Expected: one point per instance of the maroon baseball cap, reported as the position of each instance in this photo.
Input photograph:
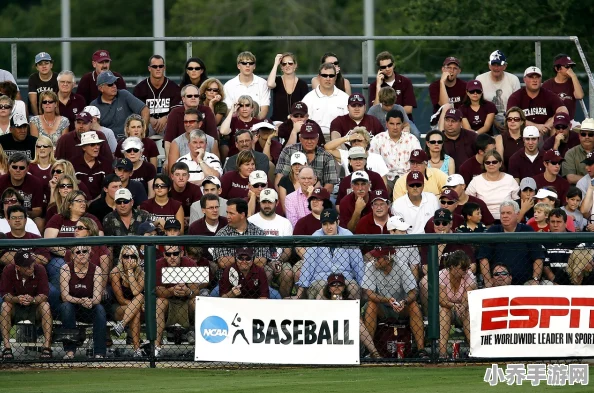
(474, 85)
(564, 61)
(248, 251)
(335, 277)
(454, 114)
(356, 98)
(320, 193)
(299, 108)
(552, 155)
(101, 55)
(310, 129)
(449, 194)
(85, 117)
(381, 252)
(379, 194)
(418, 155)
(414, 177)
(561, 118)
(450, 60)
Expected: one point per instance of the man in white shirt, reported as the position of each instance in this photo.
(200, 162)
(415, 206)
(326, 102)
(246, 83)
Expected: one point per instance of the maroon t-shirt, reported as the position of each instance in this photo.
(31, 190)
(76, 103)
(456, 93)
(487, 216)
(539, 109)
(469, 169)
(367, 226)
(159, 101)
(285, 129)
(12, 282)
(520, 165)
(175, 123)
(157, 211)
(150, 149)
(145, 173)
(573, 141)
(347, 207)
(460, 149)
(96, 253)
(189, 195)
(307, 225)
(560, 184)
(87, 86)
(234, 186)
(343, 124)
(405, 92)
(344, 187)
(67, 149)
(162, 263)
(477, 119)
(510, 147)
(565, 91)
(275, 150)
(44, 175)
(199, 228)
(92, 177)
(28, 236)
(238, 124)
(66, 227)
(81, 287)
(254, 284)
(456, 222)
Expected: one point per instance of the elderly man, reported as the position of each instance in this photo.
(565, 83)
(296, 202)
(458, 143)
(388, 77)
(116, 105)
(318, 159)
(96, 126)
(200, 162)
(573, 167)
(89, 169)
(527, 162)
(415, 206)
(456, 183)
(69, 103)
(18, 140)
(525, 260)
(247, 83)
(87, 86)
(563, 138)
(358, 203)
(66, 148)
(341, 125)
(433, 179)
(244, 141)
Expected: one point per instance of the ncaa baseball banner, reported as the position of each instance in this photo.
(277, 331)
(532, 321)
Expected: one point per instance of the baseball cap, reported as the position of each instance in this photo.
(89, 137)
(101, 55)
(356, 98)
(122, 193)
(564, 61)
(319, 193)
(93, 111)
(532, 70)
(418, 155)
(329, 215)
(247, 251)
(544, 193)
(299, 108)
(397, 222)
(531, 132)
(124, 163)
(454, 180)
(552, 155)
(335, 277)
(379, 194)
(42, 56)
(442, 215)
(414, 177)
(257, 177)
(454, 114)
(18, 120)
(23, 258)
(172, 223)
(262, 124)
(84, 116)
(298, 158)
(381, 252)
(474, 85)
(450, 60)
(106, 77)
(528, 182)
(561, 118)
(589, 160)
(357, 152)
(450, 195)
(268, 194)
(145, 227)
(310, 129)
(132, 142)
(359, 175)
(587, 124)
(212, 179)
(497, 57)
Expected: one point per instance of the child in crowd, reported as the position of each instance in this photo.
(572, 207)
(540, 220)
(472, 219)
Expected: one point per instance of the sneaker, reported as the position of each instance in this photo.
(191, 337)
(158, 352)
(139, 353)
(118, 328)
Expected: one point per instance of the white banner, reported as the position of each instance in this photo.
(532, 321)
(277, 331)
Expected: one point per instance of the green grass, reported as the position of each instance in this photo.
(339, 380)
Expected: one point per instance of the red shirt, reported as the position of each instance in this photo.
(510, 147)
(199, 228)
(150, 148)
(44, 175)
(235, 186)
(162, 263)
(367, 226)
(520, 165)
(560, 184)
(307, 226)
(189, 195)
(12, 282)
(460, 149)
(405, 92)
(456, 93)
(31, 190)
(254, 284)
(76, 103)
(539, 109)
(487, 216)
(565, 91)
(66, 227)
(175, 123)
(469, 169)
(92, 177)
(87, 86)
(67, 149)
(343, 124)
(477, 119)
(347, 207)
(573, 141)
(344, 187)
(285, 129)
(449, 248)
(157, 211)
(534, 225)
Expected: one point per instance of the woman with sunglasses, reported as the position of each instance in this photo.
(81, 287)
(194, 73)
(162, 207)
(510, 140)
(213, 96)
(436, 153)
(6, 105)
(341, 82)
(64, 185)
(135, 127)
(49, 122)
(59, 168)
(288, 88)
(241, 117)
(127, 281)
(11, 197)
(478, 114)
(142, 171)
(72, 209)
(41, 166)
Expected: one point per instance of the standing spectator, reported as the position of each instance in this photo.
(388, 77)
(565, 83)
(474, 165)
(433, 179)
(438, 159)
(159, 93)
(341, 82)
(510, 140)
(456, 183)
(387, 102)
(287, 88)
(210, 185)
(251, 282)
(574, 166)
(69, 103)
(18, 140)
(123, 168)
(90, 170)
(550, 177)
(563, 138)
(182, 190)
(449, 89)
(478, 114)
(246, 83)
(194, 73)
(212, 95)
(136, 127)
(142, 171)
(527, 162)
(43, 80)
(356, 116)
(415, 206)
(296, 202)
(200, 162)
(458, 141)
(66, 148)
(87, 86)
(49, 122)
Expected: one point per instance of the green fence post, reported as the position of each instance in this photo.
(433, 291)
(150, 299)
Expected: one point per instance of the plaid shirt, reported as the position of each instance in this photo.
(323, 163)
(252, 230)
(113, 225)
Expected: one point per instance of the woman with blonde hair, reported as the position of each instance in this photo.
(213, 96)
(64, 185)
(580, 266)
(288, 88)
(49, 122)
(59, 168)
(135, 126)
(3, 162)
(6, 105)
(41, 166)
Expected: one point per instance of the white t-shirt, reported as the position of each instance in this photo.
(279, 226)
(508, 84)
(258, 90)
(196, 172)
(416, 216)
(375, 163)
(493, 192)
(323, 109)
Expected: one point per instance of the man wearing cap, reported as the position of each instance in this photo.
(296, 202)
(416, 206)
(244, 141)
(200, 162)
(69, 103)
(266, 143)
(358, 203)
(449, 89)
(96, 126)
(358, 162)
(159, 93)
(458, 143)
(124, 220)
(550, 177)
(375, 223)
(408, 255)
(257, 182)
(43, 80)
(529, 161)
(539, 105)
(89, 169)
(585, 182)
(87, 86)
(24, 288)
(565, 83)
(456, 183)
(320, 160)
(498, 85)
(433, 179)
(247, 83)
(209, 223)
(210, 185)
(251, 283)
(447, 200)
(326, 102)
(172, 227)
(66, 148)
(474, 165)
(563, 138)
(387, 76)
(288, 131)
(116, 105)
(320, 262)
(123, 167)
(574, 166)
(18, 140)
(182, 190)
(341, 125)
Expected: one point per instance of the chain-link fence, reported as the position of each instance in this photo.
(76, 302)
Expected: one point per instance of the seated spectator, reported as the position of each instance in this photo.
(471, 212)
(447, 200)
(297, 201)
(375, 223)
(288, 132)
(258, 182)
(17, 230)
(18, 106)
(551, 176)
(549, 196)
(24, 288)
(455, 281)
(162, 207)
(3, 162)
(182, 190)
(555, 268)
(316, 203)
(358, 163)
(526, 199)
(527, 162)
(358, 203)
(356, 116)
(458, 141)
(478, 114)
(290, 183)
(70, 211)
(245, 140)
(580, 266)
(69, 103)
(208, 224)
(81, 288)
(318, 262)
(540, 221)
(135, 126)
(210, 185)
(416, 206)
(397, 225)
(103, 205)
(41, 166)
(87, 86)
(474, 165)
(18, 140)
(244, 279)
(6, 105)
(235, 184)
(200, 162)
(265, 141)
(563, 138)
(194, 73)
(66, 148)
(59, 168)
(501, 275)
(212, 94)
(96, 126)
(436, 153)
(243, 116)
(585, 181)
(572, 207)
(387, 102)
(49, 123)
(142, 171)
(90, 170)
(433, 179)
(124, 168)
(127, 281)
(11, 197)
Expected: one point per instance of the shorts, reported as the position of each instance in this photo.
(386, 311)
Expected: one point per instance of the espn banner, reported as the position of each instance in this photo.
(549, 321)
(277, 331)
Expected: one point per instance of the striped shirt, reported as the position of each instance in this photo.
(196, 172)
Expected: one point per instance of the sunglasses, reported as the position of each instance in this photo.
(446, 202)
(190, 121)
(247, 63)
(501, 274)
(192, 95)
(244, 258)
(155, 66)
(386, 66)
(58, 171)
(244, 105)
(328, 76)
(475, 91)
(336, 284)
(494, 162)
(78, 252)
(193, 68)
(288, 63)
(554, 162)
(356, 141)
(516, 119)
(42, 146)
(18, 167)
(5, 106)
(10, 201)
(298, 116)
(560, 127)
(172, 253)
(441, 223)
(434, 142)
(416, 185)
(159, 186)
(81, 228)
(335, 62)
(129, 256)
(46, 102)
(92, 144)
(132, 150)
(122, 201)
(587, 134)
(64, 185)
(110, 84)
(213, 89)
(260, 185)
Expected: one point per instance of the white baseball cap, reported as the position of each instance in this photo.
(268, 194)
(359, 175)
(532, 70)
(122, 193)
(454, 180)
(262, 124)
(211, 179)
(93, 111)
(543, 193)
(531, 132)
(397, 222)
(298, 158)
(257, 177)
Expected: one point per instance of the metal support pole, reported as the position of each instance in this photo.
(65, 19)
(13, 60)
(150, 299)
(588, 74)
(159, 26)
(188, 49)
(364, 67)
(537, 55)
(433, 292)
(369, 30)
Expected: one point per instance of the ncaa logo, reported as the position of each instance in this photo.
(214, 329)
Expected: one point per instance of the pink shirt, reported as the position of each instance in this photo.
(465, 283)
(296, 206)
(494, 192)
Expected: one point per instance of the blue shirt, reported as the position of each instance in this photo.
(114, 115)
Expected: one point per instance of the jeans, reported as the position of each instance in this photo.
(68, 312)
(274, 294)
(53, 268)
